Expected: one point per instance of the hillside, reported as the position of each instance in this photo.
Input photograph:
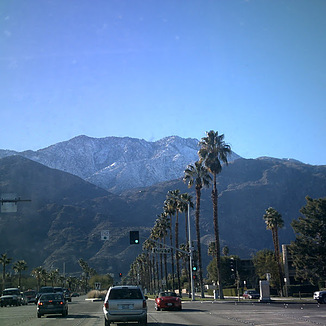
(64, 220)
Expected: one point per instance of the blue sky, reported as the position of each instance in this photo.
(254, 70)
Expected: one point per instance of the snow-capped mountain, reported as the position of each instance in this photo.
(116, 163)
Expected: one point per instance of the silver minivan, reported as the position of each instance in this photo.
(124, 304)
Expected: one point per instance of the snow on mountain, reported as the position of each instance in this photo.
(120, 163)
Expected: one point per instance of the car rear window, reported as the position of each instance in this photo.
(51, 297)
(116, 294)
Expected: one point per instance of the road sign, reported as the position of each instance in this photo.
(8, 203)
(105, 235)
(97, 286)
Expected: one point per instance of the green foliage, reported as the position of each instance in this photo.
(264, 262)
(105, 280)
(309, 248)
(228, 277)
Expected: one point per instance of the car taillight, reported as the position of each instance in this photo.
(144, 303)
(106, 305)
(40, 303)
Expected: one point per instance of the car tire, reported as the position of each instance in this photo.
(39, 315)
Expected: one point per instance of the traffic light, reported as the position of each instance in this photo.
(194, 267)
(120, 274)
(134, 237)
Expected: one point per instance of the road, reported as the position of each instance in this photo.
(86, 313)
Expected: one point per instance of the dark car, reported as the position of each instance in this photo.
(251, 294)
(11, 297)
(168, 300)
(125, 304)
(30, 295)
(52, 303)
(43, 289)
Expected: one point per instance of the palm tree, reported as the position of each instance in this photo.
(185, 200)
(213, 153)
(37, 272)
(169, 208)
(185, 203)
(198, 175)
(174, 198)
(274, 221)
(18, 267)
(163, 225)
(4, 260)
(53, 276)
(148, 245)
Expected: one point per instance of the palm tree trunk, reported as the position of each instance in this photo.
(217, 238)
(176, 252)
(278, 258)
(172, 254)
(165, 268)
(198, 195)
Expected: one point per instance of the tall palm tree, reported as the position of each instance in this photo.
(274, 221)
(18, 267)
(163, 225)
(213, 153)
(198, 175)
(148, 245)
(169, 208)
(174, 198)
(37, 272)
(4, 260)
(53, 276)
(185, 203)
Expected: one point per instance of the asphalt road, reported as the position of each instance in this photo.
(86, 313)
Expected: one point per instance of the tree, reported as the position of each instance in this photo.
(265, 262)
(197, 175)
(170, 209)
(37, 272)
(53, 276)
(214, 152)
(18, 267)
(87, 271)
(308, 251)
(274, 221)
(4, 260)
(174, 197)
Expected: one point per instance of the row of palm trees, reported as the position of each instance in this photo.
(19, 266)
(213, 153)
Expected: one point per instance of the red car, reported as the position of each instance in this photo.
(168, 300)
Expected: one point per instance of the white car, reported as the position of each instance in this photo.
(124, 304)
(320, 296)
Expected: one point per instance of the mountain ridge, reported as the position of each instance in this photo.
(119, 163)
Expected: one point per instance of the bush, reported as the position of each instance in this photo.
(95, 294)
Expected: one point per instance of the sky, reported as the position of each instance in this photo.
(253, 70)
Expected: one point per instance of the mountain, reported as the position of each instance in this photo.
(117, 164)
(64, 220)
